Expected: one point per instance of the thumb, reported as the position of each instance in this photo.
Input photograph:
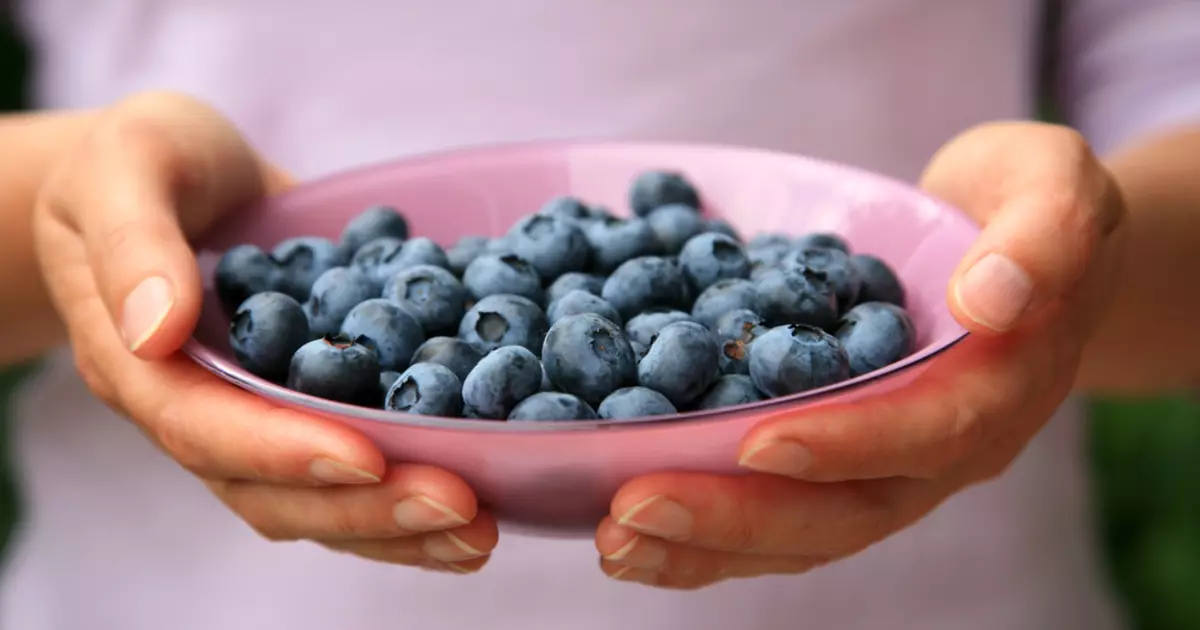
(156, 169)
(1050, 213)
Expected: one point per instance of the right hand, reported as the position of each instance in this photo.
(111, 230)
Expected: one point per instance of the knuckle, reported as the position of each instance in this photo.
(740, 536)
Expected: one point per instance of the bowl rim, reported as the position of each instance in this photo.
(228, 370)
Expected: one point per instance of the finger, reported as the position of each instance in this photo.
(1049, 209)
(769, 515)
(411, 499)
(625, 547)
(474, 541)
(155, 168)
(964, 419)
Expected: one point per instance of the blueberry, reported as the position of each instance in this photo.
(673, 226)
(835, 265)
(336, 368)
(635, 402)
(822, 240)
(639, 349)
(386, 380)
(426, 389)
(552, 245)
(499, 245)
(567, 207)
(503, 378)
(433, 295)
(421, 251)
(588, 356)
(571, 281)
(721, 226)
(493, 274)
(465, 250)
(875, 335)
(643, 328)
(302, 260)
(796, 358)
(266, 331)
(504, 320)
(721, 297)
(732, 358)
(334, 294)
(615, 241)
(730, 391)
(646, 283)
(577, 302)
(547, 385)
(373, 223)
(378, 259)
(388, 329)
(454, 353)
(795, 296)
(550, 406)
(771, 241)
(710, 257)
(741, 324)
(681, 364)
(243, 271)
(879, 281)
(654, 189)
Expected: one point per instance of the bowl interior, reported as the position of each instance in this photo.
(483, 191)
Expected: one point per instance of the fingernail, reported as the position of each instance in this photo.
(145, 309)
(447, 547)
(994, 292)
(423, 514)
(642, 553)
(777, 457)
(329, 471)
(659, 516)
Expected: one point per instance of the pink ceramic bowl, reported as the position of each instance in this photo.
(558, 478)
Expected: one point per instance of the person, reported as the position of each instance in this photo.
(961, 500)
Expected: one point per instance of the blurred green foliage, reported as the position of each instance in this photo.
(1146, 453)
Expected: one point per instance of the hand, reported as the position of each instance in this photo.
(837, 479)
(110, 231)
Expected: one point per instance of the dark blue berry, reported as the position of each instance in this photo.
(336, 368)
(373, 223)
(654, 189)
(875, 335)
(571, 281)
(721, 297)
(567, 207)
(333, 295)
(635, 402)
(421, 251)
(494, 274)
(721, 226)
(378, 259)
(730, 391)
(796, 358)
(709, 258)
(644, 327)
(741, 324)
(243, 271)
(841, 275)
(733, 356)
(386, 380)
(500, 381)
(879, 281)
(588, 356)
(552, 245)
(681, 364)
(465, 250)
(615, 241)
(551, 406)
(302, 260)
(426, 389)
(822, 240)
(646, 283)
(504, 320)
(266, 331)
(454, 353)
(577, 302)
(795, 296)
(433, 295)
(388, 329)
(673, 226)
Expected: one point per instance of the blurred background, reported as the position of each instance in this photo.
(1146, 454)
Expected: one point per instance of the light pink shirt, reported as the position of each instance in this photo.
(119, 538)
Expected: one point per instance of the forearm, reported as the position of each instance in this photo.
(1149, 341)
(32, 143)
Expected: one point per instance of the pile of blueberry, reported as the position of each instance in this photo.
(573, 314)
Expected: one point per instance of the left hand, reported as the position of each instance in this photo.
(834, 480)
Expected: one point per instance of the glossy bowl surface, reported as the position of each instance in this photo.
(558, 478)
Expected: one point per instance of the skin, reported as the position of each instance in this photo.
(1109, 246)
